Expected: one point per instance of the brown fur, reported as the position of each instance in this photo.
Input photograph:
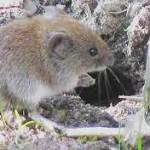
(39, 53)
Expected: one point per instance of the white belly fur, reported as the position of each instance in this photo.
(44, 91)
(41, 92)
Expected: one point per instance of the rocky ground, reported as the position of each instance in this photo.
(123, 25)
(68, 111)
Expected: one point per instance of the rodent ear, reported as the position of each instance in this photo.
(59, 43)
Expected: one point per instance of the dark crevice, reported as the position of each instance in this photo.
(109, 85)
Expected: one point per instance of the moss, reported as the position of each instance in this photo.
(61, 115)
(84, 139)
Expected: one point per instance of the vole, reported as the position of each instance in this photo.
(44, 55)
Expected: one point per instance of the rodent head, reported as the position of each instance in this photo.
(76, 48)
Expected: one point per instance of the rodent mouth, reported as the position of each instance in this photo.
(101, 68)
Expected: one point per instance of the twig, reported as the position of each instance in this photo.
(89, 131)
(76, 132)
(9, 7)
(135, 98)
(50, 125)
(93, 131)
(117, 13)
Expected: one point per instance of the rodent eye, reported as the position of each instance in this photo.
(93, 51)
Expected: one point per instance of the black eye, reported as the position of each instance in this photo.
(93, 51)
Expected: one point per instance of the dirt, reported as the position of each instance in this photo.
(68, 111)
(71, 111)
(67, 144)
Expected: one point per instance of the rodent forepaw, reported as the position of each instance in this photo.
(85, 80)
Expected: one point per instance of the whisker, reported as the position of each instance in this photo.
(117, 79)
(99, 87)
(107, 84)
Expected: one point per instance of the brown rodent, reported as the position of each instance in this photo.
(44, 55)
